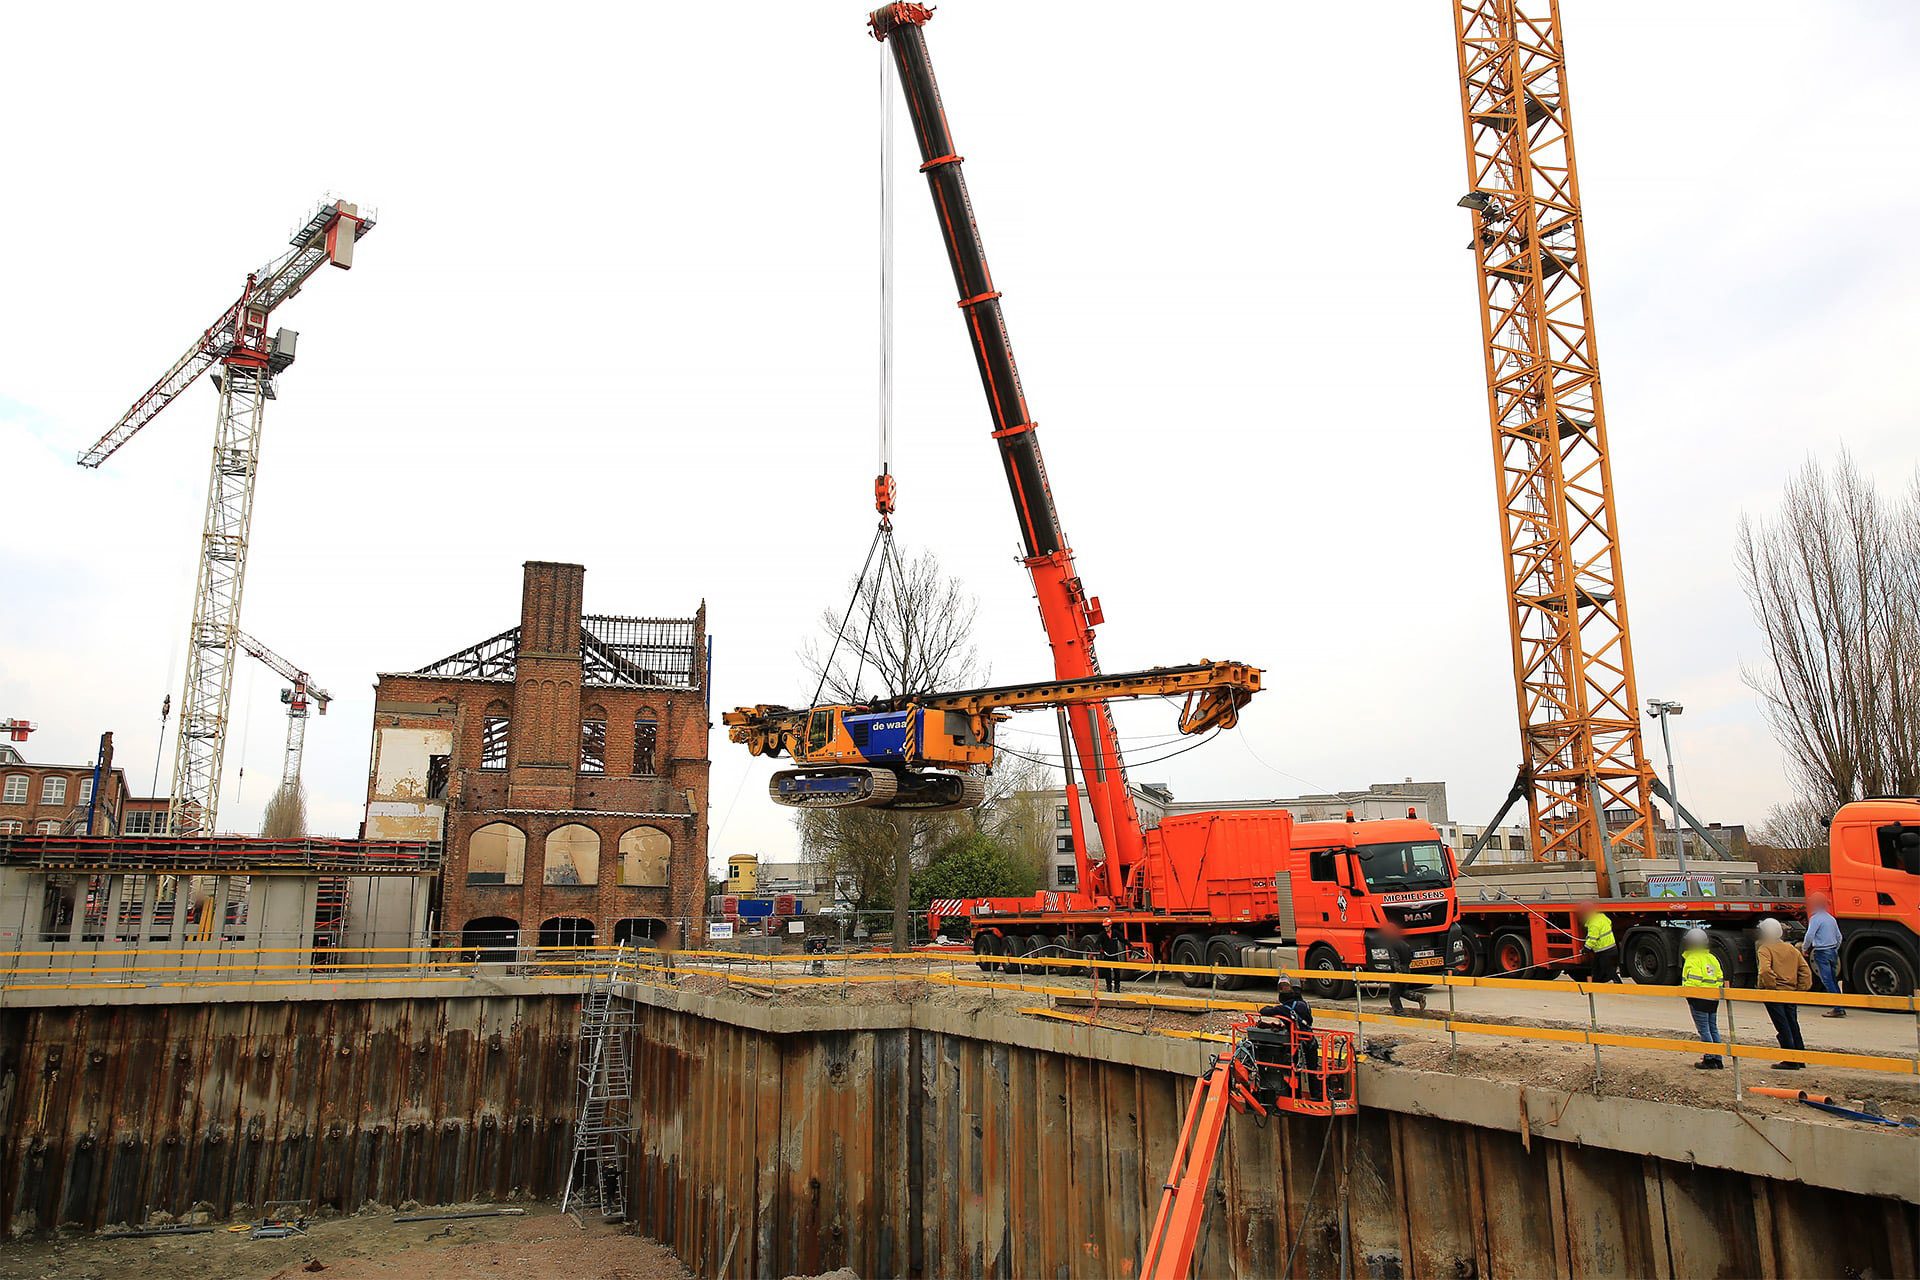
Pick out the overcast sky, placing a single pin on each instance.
(619, 309)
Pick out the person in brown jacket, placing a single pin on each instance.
(1783, 968)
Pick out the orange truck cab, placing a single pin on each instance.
(1376, 895)
(1874, 885)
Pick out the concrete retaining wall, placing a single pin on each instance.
(111, 1110)
(923, 1141)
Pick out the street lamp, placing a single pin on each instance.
(1662, 709)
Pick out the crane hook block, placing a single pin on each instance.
(884, 491)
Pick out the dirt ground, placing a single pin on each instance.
(541, 1245)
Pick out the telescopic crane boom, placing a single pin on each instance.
(250, 358)
(1067, 611)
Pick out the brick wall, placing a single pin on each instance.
(543, 789)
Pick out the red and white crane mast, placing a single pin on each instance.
(249, 358)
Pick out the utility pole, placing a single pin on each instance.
(1660, 709)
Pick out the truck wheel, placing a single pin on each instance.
(1047, 945)
(1223, 952)
(1325, 959)
(1189, 948)
(1476, 952)
(1726, 949)
(982, 949)
(1024, 945)
(1881, 971)
(1649, 960)
(1090, 945)
(1512, 955)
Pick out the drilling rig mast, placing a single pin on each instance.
(1566, 599)
(249, 358)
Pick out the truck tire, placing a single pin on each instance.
(1726, 949)
(982, 950)
(1223, 952)
(1029, 945)
(1325, 959)
(1189, 948)
(1512, 955)
(1047, 945)
(993, 946)
(1650, 960)
(1880, 971)
(1476, 951)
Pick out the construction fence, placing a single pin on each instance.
(1066, 987)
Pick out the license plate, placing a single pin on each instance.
(1424, 962)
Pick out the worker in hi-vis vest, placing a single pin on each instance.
(1699, 967)
(1597, 940)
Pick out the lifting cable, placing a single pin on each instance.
(883, 482)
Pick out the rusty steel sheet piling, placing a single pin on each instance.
(112, 1112)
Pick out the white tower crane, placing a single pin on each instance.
(301, 693)
(249, 358)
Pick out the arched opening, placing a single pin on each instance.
(593, 739)
(494, 728)
(646, 742)
(644, 855)
(497, 854)
(491, 939)
(573, 855)
(566, 931)
(640, 931)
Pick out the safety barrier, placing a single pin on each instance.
(565, 966)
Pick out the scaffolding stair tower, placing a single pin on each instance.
(596, 1175)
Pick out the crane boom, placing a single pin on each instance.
(303, 689)
(1066, 610)
(1583, 755)
(327, 235)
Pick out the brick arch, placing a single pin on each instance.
(494, 939)
(497, 854)
(646, 854)
(572, 855)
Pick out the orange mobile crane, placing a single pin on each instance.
(1230, 888)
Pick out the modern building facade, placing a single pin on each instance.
(564, 764)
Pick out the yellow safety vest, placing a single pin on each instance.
(1599, 932)
(1699, 968)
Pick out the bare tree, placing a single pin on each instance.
(908, 629)
(1791, 839)
(1834, 583)
(286, 815)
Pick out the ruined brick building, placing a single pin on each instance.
(564, 763)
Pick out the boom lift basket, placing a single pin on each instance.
(1296, 1068)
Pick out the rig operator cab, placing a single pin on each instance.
(1375, 895)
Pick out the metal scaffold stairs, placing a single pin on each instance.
(596, 1175)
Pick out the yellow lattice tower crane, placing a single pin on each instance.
(1566, 598)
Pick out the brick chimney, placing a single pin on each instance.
(544, 738)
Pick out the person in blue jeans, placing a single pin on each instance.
(1822, 945)
(1700, 968)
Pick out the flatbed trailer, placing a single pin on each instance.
(1873, 886)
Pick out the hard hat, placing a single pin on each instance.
(1770, 929)
(1696, 937)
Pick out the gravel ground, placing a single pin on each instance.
(542, 1245)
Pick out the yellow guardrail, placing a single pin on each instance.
(220, 967)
